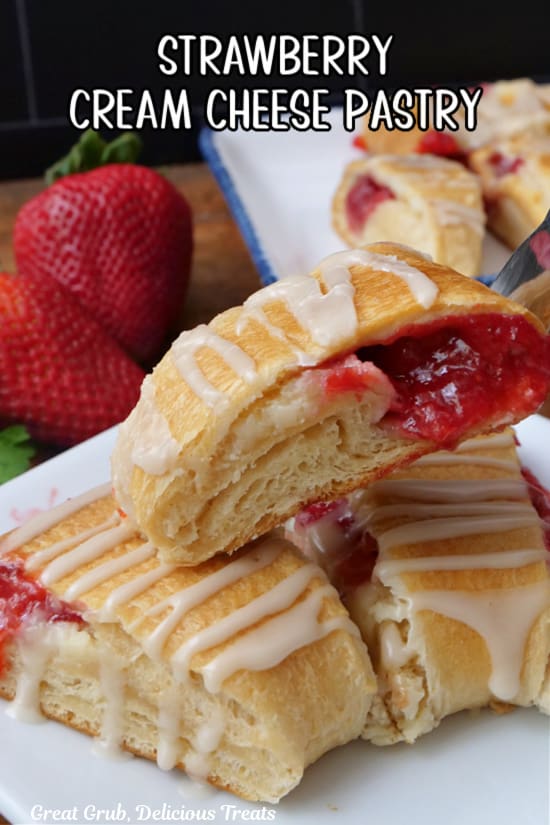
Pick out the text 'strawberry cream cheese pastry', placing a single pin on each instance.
(317, 385)
(430, 203)
(443, 566)
(241, 671)
(515, 176)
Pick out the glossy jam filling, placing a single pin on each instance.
(503, 164)
(451, 375)
(439, 143)
(24, 601)
(540, 498)
(362, 199)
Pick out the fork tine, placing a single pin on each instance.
(529, 260)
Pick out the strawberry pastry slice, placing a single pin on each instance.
(317, 385)
(181, 666)
(431, 203)
(443, 567)
(515, 176)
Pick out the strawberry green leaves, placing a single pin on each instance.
(16, 452)
(92, 151)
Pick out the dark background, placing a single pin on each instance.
(50, 47)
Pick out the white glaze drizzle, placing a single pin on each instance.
(503, 618)
(108, 570)
(448, 459)
(394, 652)
(183, 601)
(387, 569)
(423, 289)
(85, 553)
(449, 490)
(156, 451)
(415, 510)
(269, 644)
(129, 590)
(205, 741)
(113, 684)
(67, 556)
(447, 528)
(41, 557)
(45, 521)
(277, 599)
(35, 647)
(168, 724)
(183, 354)
(329, 319)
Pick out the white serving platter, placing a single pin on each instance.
(279, 187)
(477, 769)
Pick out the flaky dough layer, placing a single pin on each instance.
(241, 671)
(457, 615)
(436, 207)
(233, 432)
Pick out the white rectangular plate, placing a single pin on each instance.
(477, 769)
(279, 186)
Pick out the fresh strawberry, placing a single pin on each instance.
(120, 238)
(61, 374)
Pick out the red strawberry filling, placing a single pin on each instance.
(540, 497)
(363, 197)
(444, 378)
(454, 373)
(23, 600)
(503, 164)
(349, 374)
(439, 143)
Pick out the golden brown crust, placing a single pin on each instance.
(437, 208)
(515, 175)
(271, 739)
(446, 662)
(234, 464)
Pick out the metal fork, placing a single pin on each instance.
(525, 277)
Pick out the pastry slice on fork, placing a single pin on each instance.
(318, 385)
